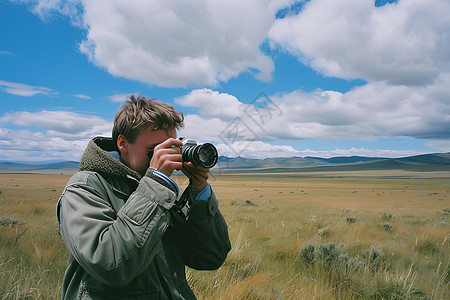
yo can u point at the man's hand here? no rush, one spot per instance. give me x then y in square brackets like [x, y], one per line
[197, 175]
[167, 156]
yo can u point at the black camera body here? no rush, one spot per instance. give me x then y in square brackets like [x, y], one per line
[204, 155]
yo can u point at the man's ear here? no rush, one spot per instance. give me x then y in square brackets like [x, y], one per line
[122, 144]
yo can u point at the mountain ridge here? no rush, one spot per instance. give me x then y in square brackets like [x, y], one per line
[422, 162]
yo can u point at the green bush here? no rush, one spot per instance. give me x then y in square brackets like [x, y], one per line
[307, 253]
[387, 226]
[329, 253]
[386, 216]
[351, 220]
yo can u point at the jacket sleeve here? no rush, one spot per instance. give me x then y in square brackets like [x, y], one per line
[205, 236]
[113, 247]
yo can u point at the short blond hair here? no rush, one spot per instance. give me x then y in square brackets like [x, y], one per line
[140, 113]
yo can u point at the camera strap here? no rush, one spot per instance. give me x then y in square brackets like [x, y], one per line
[181, 209]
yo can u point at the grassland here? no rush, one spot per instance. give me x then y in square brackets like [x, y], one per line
[347, 235]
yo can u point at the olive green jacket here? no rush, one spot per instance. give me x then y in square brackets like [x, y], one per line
[123, 240]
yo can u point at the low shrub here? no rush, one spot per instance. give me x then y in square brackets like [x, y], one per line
[351, 220]
[307, 253]
[386, 216]
[329, 253]
[387, 226]
[4, 221]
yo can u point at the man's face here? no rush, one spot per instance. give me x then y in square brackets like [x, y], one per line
[136, 154]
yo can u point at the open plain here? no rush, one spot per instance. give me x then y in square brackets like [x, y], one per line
[335, 235]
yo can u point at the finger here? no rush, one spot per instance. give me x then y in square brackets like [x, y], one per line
[201, 169]
[169, 157]
[194, 173]
[200, 175]
[169, 151]
[197, 182]
[186, 171]
[170, 165]
[194, 168]
[170, 143]
[166, 161]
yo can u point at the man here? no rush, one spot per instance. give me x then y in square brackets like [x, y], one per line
[123, 218]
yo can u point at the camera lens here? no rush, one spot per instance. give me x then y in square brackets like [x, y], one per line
[207, 155]
[204, 155]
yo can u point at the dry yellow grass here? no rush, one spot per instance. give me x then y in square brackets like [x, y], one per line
[293, 210]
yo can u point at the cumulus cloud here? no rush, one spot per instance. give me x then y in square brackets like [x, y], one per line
[171, 43]
[179, 43]
[212, 104]
[47, 9]
[201, 129]
[260, 150]
[21, 89]
[205, 42]
[442, 144]
[48, 135]
[374, 110]
[257, 149]
[60, 124]
[83, 96]
[121, 97]
[403, 43]
[24, 145]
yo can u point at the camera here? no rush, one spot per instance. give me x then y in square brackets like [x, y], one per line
[204, 155]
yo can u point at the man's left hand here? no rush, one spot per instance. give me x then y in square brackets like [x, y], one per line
[197, 175]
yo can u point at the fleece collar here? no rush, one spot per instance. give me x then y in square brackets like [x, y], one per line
[95, 158]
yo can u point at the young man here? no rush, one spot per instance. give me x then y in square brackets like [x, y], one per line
[123, 218]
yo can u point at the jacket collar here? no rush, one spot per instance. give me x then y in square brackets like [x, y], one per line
[95, 158]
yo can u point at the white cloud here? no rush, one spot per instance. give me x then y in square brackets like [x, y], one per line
[21, 89]
[171, 43]
[120, 98]
[4, 52]
[47, 9]
[201, 129]
[24, 145]
[367, 112]
[48, 135]
[176, 43]
[26, 90]
[82, 96]
[60, 124]
[257, 149]
[441, 144]
[213, 104]
[260, 150]
[405, 42]
[205, 42]
[370, 111]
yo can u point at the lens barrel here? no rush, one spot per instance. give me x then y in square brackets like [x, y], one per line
[204, 155]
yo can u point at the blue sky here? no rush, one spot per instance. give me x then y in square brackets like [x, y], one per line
[274, 78]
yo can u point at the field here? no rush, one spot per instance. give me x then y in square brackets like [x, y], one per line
[354, 235]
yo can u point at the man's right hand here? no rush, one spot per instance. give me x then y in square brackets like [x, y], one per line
[167, 156]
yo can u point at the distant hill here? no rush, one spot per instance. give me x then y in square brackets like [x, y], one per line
[308, 161]
[55, 167]
[420, 163]
[345, 159]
